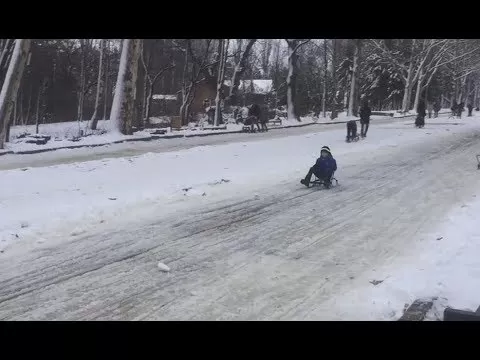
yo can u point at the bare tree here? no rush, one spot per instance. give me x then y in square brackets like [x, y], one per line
[107, 70]
[192, 78]
[352, 104]
[100, 80]
[8, 95]
[81, 88]
[239, 71]
[423, 60]
[150, 80]
[6, 49]
[293, 46]
[325, 75]
[265, 54]
[333, 115]
[41, 92]
[221, 77]
[125, 89]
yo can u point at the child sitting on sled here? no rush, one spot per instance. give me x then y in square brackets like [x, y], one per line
[323, 168]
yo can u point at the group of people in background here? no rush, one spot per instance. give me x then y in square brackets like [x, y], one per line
[457, 109]
[434, 107]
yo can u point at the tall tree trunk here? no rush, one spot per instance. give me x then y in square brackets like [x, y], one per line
[418, 93]
[145, 99]
[21, 113]
[5, 54]
[146, 60]
[346, 93]
[325, 74]
[467, 93]
[173, 87]
[334, 113]
[148, 104]
[352, 103]
[125, 90]
[475, 98]
[238, 72]
[101, 67]
[8, 95]
[221, 75]
[107, 70]
[15, 110]
[37, 117]
[81, 90]
[407, 95]
[292, 79]
[455, 72]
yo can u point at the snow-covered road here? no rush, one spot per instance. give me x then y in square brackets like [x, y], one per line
[278, 252]
[69, 156]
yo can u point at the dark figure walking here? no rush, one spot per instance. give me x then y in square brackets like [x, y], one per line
[365, 113]
[454, 109]
[263, 117]
[460, 109]
[436, 109]
[352, 131]
[323, 168]
[470, 109]
[254, 113]
[421, 113]
[429, 109]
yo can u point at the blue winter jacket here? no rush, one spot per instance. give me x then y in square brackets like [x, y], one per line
[324, 167]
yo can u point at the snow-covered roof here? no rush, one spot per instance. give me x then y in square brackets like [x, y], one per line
[260, 86]
[164, 97]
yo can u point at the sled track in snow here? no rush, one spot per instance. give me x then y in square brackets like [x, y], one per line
[280, 257]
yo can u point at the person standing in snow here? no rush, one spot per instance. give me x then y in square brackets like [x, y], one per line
[460, 108]
[323, 169]
[255, 115]
[454, 108]
[421, 113]
[365, 113]
[436, 109]
[429, 109]
[470, 109]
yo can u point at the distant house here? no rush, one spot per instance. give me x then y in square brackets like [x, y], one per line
[165, 105]
[257, 92]
[205, 90]
[259, 86]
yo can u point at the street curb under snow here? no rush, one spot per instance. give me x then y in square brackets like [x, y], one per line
[158, 137]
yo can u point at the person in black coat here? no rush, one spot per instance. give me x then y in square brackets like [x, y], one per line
[254, 110]
[253, 117]
[454, 108]
[365, 113]
[470, 109]
[460, 108]
[421, 113]
[436, 109]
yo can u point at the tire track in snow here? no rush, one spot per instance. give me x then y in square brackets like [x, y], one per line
[227, 260]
